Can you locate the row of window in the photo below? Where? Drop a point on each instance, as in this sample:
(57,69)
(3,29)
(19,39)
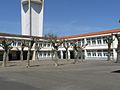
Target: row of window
(40,44)
(90,41)
(45,54)
(98,53)
(96,41)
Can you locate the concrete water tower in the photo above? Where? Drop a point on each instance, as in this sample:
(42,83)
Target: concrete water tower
(32,17)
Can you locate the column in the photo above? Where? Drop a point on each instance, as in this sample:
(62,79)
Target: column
(61,54)
(114,54)
(69,54)
(85,53)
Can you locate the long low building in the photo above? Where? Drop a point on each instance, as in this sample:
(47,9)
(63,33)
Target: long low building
(96,49)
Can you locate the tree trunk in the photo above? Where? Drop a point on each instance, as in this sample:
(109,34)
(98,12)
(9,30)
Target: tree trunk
(108,57)
(118,57)
(109,52)
(75,57)
(7,56)
(21,55)
(56,58)
(37,55)
(52,53)
(81,54)
(4,59)
(66,55)
(118,53)
(28,58)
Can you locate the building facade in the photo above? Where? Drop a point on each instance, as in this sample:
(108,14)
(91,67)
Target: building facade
(32,17)
(95,50)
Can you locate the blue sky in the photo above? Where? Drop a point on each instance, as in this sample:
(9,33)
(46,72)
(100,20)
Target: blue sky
(65,17)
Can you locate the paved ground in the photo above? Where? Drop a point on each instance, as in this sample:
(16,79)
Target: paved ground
(42,75)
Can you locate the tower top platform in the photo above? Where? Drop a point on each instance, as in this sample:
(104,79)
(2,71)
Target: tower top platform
(34,1)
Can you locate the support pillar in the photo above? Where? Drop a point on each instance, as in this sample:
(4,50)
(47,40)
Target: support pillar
(85,53)
(61,54)
(114,54)
(69,54)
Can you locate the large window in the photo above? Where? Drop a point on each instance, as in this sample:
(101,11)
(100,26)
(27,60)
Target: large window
(88,41)
(99,41)
(44,54)
(93,41)
(88,53)
(45,44)
(105,53)
(48,45)
(40,53)
(99,53)
(14,43)
(48,53)
(81,41)
(19,43)
(94,53)
(104,40)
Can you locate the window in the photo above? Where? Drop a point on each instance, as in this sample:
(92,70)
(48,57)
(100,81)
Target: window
(79,41)
(99,53)
(88,42)
(48,53)
(104,40)
(48,44)
(82,41)
(88,53)
(19,43)
(93,41)
(44,44)
(40,45)
(14,43)
(99,40)
(93,53)
(44,54)
(40,54)
(105,53)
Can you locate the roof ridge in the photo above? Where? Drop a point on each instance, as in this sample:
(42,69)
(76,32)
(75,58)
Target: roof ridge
(92,33)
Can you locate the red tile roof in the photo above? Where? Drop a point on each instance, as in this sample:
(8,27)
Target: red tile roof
(92,33)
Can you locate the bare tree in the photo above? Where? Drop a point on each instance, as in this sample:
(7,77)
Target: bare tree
(55,44)
(38,47)
(66,45)
(118,48)
(78,51)
(109,40)
(6,45)
(22,49)
(29,45)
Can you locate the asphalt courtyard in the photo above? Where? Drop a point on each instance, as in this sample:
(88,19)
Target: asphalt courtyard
(43,75)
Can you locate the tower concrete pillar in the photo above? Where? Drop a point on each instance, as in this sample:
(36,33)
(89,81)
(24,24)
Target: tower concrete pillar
(32,17)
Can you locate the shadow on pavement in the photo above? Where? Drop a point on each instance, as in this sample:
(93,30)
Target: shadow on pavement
(12,85)
(116,71)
